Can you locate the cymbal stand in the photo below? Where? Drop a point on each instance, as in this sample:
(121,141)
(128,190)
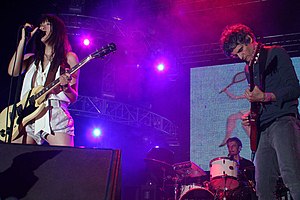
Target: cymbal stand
(163,183)
(225,193)
(176,179)
(250,183)
(221,193)
(176,192)
(224,197)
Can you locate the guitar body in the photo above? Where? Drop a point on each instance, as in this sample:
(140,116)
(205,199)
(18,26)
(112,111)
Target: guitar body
(253,117)
(255,106)
(26,112)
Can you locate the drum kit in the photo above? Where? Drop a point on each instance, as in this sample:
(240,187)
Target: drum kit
(190,182)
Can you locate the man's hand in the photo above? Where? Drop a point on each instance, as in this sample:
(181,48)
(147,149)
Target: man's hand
(255,96)
(245,119)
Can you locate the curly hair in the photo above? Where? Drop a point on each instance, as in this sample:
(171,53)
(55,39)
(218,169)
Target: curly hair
(234,35)
(235,139)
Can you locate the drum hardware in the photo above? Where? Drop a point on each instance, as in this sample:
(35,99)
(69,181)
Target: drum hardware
(250,183)
(188,169)
(224,194)
(282,192)
(243,178)
(195,192)
(176,185)
(161,169)
(177,173)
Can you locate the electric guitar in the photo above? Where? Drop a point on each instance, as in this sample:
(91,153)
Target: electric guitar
(33,106)
(255,106)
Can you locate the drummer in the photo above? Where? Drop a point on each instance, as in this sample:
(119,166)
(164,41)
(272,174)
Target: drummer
(245,166)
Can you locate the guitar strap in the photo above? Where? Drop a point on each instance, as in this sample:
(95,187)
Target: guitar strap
(262,60)
(262,66)
(51,73)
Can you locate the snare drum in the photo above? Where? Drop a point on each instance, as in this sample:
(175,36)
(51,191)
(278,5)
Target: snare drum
(195,192)
(223,173)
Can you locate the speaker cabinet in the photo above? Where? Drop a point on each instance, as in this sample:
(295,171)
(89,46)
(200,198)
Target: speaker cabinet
(33,172)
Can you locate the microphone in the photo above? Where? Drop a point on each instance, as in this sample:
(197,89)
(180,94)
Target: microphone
(29,29)
(231,157)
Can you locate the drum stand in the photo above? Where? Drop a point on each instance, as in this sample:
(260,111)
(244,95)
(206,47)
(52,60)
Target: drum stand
(223,195)
(176,188)
(225,191)
(164,178)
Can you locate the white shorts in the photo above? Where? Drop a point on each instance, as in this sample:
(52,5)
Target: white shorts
(60,122)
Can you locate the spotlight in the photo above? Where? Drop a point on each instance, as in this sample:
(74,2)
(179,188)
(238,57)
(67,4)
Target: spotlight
(86,42)
(160,67)
(97,132)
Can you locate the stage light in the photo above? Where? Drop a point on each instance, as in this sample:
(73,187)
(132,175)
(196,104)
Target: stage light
(160,67)
(86,42)
(97,132)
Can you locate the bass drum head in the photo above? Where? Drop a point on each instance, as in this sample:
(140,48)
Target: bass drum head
(197,194)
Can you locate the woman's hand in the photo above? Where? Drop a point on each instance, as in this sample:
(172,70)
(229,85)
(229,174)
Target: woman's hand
(65,80)
(26,31)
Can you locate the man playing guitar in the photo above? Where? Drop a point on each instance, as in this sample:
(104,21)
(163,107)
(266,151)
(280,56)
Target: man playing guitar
(276,89)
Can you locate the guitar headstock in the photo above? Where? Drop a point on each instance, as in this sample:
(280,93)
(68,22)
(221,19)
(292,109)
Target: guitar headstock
(100,53)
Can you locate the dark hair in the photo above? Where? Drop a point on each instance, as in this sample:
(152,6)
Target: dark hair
(234,35)
(235,139)
(58,39)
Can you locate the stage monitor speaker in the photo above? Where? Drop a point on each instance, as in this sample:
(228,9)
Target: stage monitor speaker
(33,172)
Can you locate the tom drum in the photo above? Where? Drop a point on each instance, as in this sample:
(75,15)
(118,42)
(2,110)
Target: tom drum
(223,173)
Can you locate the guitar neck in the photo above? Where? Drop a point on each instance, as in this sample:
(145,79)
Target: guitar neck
(97,54)
(53,84)
(251,67)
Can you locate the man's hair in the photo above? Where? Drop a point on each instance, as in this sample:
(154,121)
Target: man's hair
(235,139)
(234,35)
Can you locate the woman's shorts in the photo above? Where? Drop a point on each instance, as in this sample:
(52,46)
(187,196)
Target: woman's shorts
(60,122)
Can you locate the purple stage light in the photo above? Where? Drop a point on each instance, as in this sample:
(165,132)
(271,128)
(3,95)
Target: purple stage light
(160,67)
(86,42)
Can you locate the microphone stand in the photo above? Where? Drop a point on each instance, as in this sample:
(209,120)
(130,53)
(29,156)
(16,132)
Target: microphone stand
(12,116)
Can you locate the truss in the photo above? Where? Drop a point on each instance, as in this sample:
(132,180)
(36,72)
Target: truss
(211,54)
(122,113)
(196,6)
(106,28)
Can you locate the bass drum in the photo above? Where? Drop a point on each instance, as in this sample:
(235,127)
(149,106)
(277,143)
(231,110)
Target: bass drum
(192,192)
